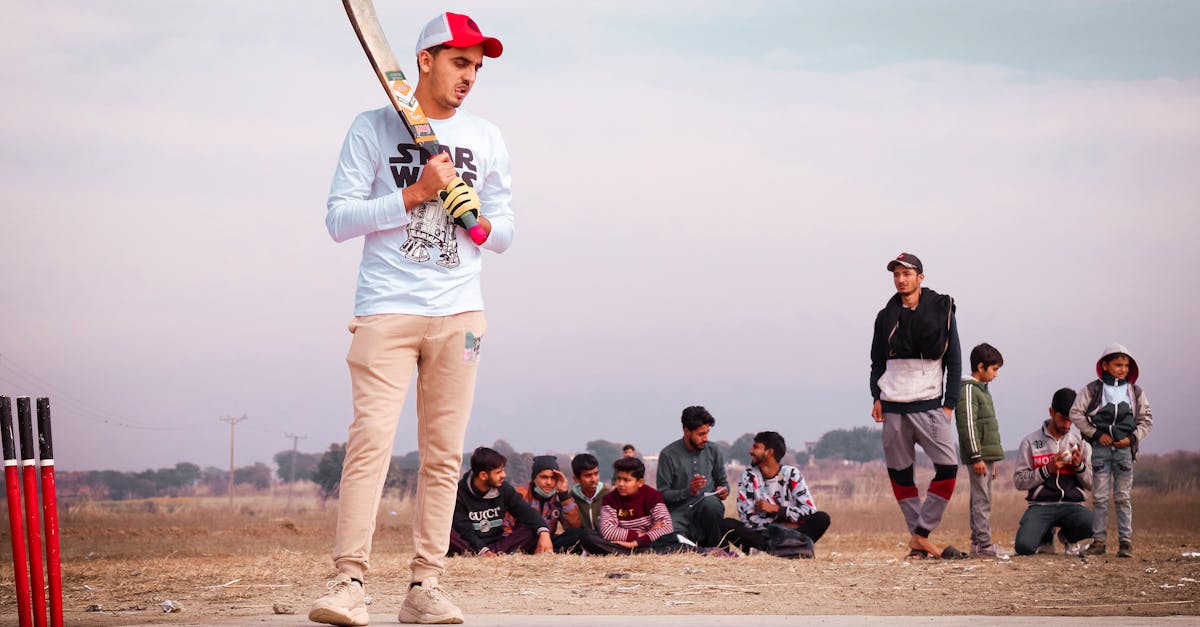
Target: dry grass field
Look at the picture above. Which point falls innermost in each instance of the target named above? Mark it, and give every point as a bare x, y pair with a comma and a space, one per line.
123, 559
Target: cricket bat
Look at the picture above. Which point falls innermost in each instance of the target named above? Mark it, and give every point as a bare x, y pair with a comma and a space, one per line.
402, 95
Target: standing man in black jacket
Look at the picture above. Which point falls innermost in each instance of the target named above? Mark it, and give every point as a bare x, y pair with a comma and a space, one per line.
916, 364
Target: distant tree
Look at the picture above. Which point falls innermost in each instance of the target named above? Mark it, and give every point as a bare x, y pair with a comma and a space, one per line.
141, 485
740, 450
724, 447
606, 453
402, 473
860, 444
520, 467
188, 473
172, 481
328, 474
796, 458
409, 461
502, 447
306, 463
216, 480
258, 475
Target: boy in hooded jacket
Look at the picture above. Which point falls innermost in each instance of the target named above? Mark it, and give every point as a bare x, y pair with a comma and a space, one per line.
1114, 414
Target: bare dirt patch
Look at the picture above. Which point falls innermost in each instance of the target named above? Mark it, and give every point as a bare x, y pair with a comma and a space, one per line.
128, 558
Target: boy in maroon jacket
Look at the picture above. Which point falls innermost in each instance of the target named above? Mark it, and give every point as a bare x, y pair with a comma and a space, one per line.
633, 515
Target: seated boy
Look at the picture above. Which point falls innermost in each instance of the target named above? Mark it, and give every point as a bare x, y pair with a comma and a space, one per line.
588, 490
633, 515
1052, 464
547, 494
772, 493
484, 498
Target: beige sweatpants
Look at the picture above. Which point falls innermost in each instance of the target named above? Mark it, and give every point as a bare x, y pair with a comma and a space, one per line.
385, 350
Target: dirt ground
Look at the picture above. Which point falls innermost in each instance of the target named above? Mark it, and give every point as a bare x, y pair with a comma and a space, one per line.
121, 561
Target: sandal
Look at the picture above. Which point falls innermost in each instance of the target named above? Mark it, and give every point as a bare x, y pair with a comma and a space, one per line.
917, 554
951, 553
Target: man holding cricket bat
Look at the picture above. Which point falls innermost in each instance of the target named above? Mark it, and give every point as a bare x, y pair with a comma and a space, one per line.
418, 306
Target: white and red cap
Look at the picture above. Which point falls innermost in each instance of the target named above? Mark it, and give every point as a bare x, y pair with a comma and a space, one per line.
457, 31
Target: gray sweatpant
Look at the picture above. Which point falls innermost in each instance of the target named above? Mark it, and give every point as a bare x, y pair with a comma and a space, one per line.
981, 505
937, 435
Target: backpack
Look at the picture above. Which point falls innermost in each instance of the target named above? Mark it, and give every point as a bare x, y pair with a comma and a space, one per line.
783, 541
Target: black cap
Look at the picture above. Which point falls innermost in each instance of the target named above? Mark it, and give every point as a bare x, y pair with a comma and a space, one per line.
1062, 401
544, 462
908, 260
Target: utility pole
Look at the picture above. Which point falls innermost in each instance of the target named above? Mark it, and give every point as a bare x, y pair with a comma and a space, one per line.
232, 420
292, 474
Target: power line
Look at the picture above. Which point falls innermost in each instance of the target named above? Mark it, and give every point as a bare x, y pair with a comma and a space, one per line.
74, 405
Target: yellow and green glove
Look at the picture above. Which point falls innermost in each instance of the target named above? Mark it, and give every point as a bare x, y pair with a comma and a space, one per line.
462, 203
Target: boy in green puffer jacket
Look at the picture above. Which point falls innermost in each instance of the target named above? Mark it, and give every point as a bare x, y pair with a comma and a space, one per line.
979, 444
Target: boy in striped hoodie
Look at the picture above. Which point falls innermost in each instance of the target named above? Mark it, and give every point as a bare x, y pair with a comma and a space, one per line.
633, 515
979, 444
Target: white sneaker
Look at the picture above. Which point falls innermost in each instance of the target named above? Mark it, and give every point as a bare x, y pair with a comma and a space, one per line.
1076, 549
342, 605
989, 550
429, 604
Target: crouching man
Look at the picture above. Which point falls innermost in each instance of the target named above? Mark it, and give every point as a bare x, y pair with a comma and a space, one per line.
1052, 464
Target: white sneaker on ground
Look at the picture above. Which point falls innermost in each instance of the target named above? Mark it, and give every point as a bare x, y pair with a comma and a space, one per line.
989, 550
342, 605
429, 604
1076, 549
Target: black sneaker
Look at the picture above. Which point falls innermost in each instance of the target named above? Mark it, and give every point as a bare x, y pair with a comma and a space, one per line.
1097, 548
1126, 549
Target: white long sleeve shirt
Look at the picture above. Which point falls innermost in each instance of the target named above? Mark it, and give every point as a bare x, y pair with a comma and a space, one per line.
417, 262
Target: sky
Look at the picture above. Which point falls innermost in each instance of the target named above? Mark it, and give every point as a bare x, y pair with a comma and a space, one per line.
706, 193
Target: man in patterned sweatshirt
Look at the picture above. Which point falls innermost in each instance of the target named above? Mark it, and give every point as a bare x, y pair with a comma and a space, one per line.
634, 516
771, 493
1052, 464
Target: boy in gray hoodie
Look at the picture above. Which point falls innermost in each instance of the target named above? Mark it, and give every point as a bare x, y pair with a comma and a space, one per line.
1113, 413
1052, 465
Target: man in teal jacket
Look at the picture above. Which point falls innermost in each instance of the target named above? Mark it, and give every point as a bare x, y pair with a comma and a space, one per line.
691, 477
